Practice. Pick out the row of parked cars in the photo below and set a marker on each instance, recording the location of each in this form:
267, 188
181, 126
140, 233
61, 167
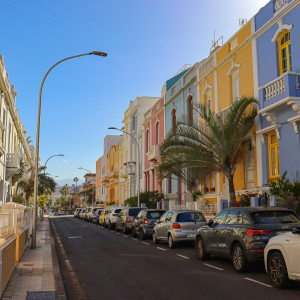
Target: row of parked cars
243, 234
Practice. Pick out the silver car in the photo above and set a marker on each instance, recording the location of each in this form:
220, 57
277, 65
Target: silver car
81, 213
90, 213
111, 218
76, 212
178, 225
126, 217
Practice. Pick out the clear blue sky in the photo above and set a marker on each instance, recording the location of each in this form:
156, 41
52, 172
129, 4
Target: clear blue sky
147, 42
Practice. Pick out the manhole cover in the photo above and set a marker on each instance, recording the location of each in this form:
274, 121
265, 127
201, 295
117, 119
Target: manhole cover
41, 295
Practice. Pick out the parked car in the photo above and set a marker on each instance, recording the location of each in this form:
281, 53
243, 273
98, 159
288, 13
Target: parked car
126, 217
282, 258
97, 215
76, 212
242, 233
178, 225
111, 217
102, 216
144, 222
90, 213
81, 213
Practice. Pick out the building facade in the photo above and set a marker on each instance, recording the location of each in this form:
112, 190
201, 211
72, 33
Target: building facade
98, 180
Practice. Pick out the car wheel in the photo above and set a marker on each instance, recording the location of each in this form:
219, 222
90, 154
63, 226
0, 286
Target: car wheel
133, 232
172, 244
109, 226
142, 234
116, 227
201, 253
154, 238
239, 259
277, 270
124, 229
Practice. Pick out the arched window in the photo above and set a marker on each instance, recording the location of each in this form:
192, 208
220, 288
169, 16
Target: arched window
174, 119
191, 109
285, 55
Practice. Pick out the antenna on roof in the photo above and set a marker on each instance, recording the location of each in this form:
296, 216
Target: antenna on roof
215, 43
242, 22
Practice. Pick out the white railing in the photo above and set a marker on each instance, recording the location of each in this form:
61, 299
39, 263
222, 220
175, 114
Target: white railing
274, 88
154, 152
19, 220
12, 160
130, 168
208, 209
4, 224
123, 172
25, 217
179, 207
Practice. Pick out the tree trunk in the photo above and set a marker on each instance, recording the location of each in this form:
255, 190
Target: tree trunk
232, 199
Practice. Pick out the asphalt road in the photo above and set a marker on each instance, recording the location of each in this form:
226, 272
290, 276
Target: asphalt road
97, 263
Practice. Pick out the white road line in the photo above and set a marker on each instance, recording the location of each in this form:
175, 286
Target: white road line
146, 243
214, 267
161, 249
125, 235
133, 239
258, 282
183, 256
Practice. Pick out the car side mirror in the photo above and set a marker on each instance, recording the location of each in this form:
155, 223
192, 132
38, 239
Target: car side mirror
296, 230
210, 222
158, 221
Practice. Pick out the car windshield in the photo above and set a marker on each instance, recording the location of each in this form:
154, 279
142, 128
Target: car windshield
190, 217
134, 212
118, 210
270, 217
155, 214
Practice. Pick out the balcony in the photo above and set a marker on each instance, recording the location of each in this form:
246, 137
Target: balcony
284, 90
12, 164
154, 153
113, 177
130, 168
123, 172
105, 181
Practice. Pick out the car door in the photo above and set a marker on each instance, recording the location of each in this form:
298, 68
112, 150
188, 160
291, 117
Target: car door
294, 255
213, 235
137, 221
228, 230
167, 225
159, 225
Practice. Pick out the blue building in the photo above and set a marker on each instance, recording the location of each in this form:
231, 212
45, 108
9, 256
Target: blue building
276, 71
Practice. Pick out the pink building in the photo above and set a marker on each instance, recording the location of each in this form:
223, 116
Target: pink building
154, 126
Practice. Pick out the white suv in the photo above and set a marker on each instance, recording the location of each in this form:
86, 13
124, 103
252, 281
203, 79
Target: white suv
111, 217
282, 257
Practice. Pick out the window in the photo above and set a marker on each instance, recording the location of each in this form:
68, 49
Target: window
116, 192
232, 217
219, 219
133, 122
190, 217
274, 156
116, 167
147, 141
169, 216
191, 109
249, 165
173, 91
163, 218
157, 133
271, 217
285, 54
174, 119
236, 85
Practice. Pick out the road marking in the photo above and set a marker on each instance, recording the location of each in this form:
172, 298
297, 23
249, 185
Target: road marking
125, 235
214, 267
257, 282
146, 243
133, 239
118, 232
74, 237
161, 249
183, 256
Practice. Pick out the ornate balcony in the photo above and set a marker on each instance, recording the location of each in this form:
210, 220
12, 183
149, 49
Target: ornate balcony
12, 164
130, 168
154, 153
105, 181
113, 177
123, 172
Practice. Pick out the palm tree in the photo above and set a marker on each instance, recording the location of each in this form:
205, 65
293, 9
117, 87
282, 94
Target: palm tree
28, 140
210, 142
76, 179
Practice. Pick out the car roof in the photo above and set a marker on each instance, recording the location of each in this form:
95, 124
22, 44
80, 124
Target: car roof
251, 209
181, 211
153, 209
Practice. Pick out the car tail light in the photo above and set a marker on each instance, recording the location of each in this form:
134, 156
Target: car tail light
146, 221
115, 215
176, 225
252, 232
128, 220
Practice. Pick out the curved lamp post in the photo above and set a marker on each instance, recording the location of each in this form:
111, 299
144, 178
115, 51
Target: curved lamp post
48, 159
138, 158
93, 184
33, 244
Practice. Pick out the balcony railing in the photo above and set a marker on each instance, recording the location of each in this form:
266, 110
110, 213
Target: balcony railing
274, 88
123, 172
154, 153
130, 168
13, 161
113, 177
105, 181
4, 225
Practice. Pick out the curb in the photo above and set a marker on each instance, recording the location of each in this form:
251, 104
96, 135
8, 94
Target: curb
59, 283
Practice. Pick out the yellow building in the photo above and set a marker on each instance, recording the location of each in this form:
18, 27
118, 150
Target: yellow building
225, 76
112, 184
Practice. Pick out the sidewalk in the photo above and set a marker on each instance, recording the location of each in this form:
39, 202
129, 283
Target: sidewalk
38, 270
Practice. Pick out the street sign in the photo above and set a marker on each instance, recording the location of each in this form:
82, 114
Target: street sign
93, 196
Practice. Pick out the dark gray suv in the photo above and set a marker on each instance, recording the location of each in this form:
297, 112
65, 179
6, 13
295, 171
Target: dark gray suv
126, 217
145, 221
242, 233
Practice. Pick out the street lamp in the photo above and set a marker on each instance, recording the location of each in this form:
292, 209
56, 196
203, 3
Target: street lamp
93, 184
33, 244
48, 159
138, 158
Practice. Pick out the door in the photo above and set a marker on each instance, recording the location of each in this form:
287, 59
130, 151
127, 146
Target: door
159, 226
294, 255
213, 236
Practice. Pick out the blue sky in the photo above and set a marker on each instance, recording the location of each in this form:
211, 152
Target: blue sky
147, 43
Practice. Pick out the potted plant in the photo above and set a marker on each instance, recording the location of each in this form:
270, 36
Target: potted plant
205, 190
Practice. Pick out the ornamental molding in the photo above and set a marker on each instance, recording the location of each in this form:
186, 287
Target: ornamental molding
282, 28
267, 130
295, 120
279, 4
234, 43
295, 105
173, 108
233, 68
207, 66
271, 117
207, 88
190, 94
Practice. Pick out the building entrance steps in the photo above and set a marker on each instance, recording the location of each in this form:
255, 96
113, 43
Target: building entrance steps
38, 270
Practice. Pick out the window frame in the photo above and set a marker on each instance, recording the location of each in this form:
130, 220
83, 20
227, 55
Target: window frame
277, 159
287, 46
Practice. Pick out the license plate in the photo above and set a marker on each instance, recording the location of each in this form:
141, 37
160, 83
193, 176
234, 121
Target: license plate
281, 232
191, 235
